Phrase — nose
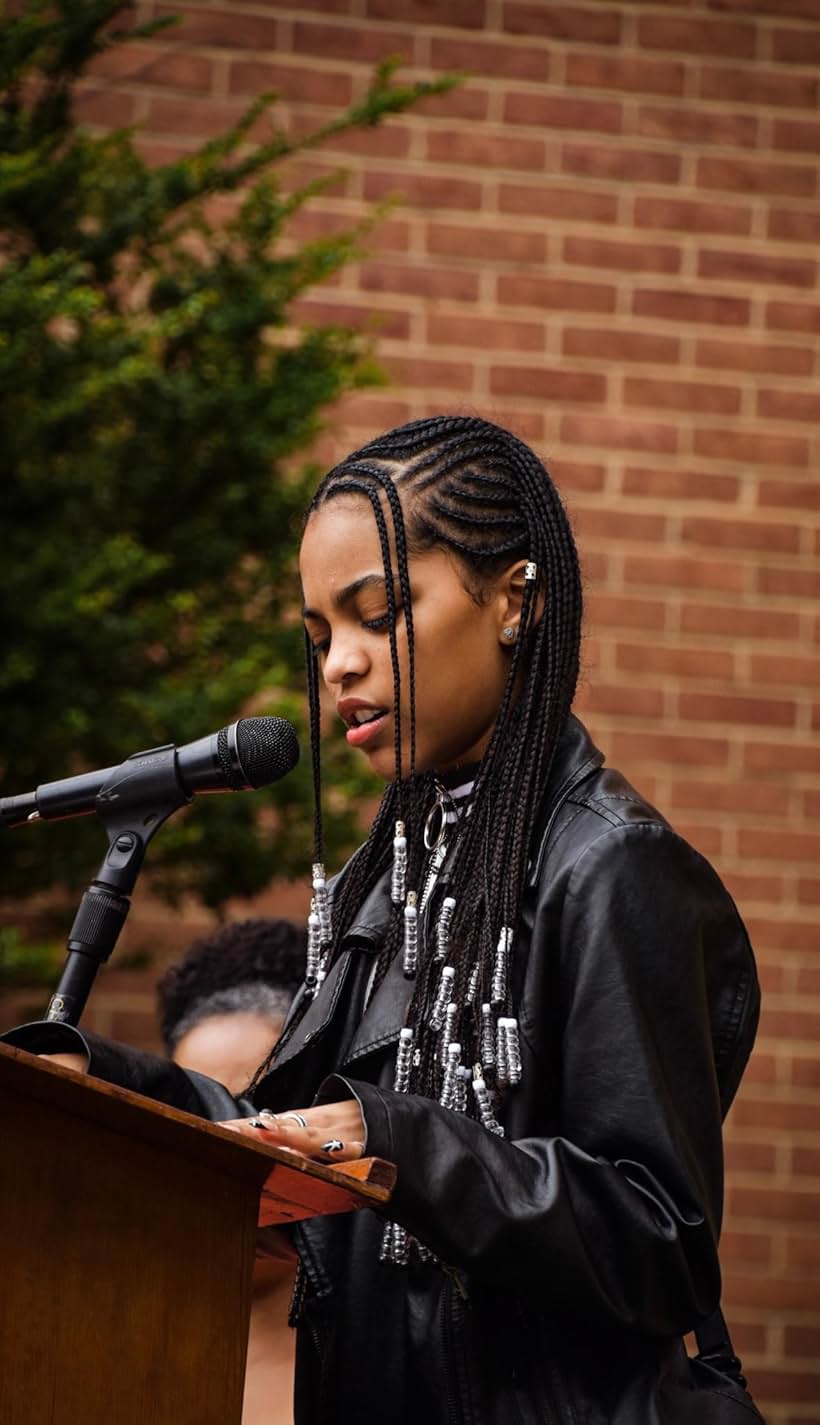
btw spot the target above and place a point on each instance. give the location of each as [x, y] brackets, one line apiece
[345, 659]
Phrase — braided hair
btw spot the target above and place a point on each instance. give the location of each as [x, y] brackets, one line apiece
[468, 486]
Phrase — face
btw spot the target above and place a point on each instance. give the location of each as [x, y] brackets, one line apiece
[228, 1047]
[461, 665]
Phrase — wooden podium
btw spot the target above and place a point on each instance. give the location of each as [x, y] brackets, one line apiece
[128, 1232]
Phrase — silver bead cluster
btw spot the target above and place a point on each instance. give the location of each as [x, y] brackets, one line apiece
[498, 993]
[321, 902]
[448, 1030]
[442, 998]
[450, 1086]
[398, 882]
[448, 905]
[485, 1107]
[404, 1061]
[411, 936]
[487, 1037]
[314, 950]
[472, 984]
[395, 1247]
[508, 1052]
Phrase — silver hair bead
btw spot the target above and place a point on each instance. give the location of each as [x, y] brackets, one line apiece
[487, 1036]
[498, 993]
[513, 1049]
[314, 950]
[401, 1246]
[462, 1080]
[322, 901]
[404, 1061]
[411, 936]
[424, 1253]
[448, 905]
[472, 984]
[502, 1062]
[485, 1108]
[448, 1090]
[531, 571]
[448, 1032]
[398, 882]
[442, 998]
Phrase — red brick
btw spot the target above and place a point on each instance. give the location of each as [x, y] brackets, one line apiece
[789, 405]
[745, 1249]
[793, 316]
[811, 805]
[686, 215]
[722, 619]
[200, 118]
[562, 22]
[803, 1341]
[770, 1294]
[622, 701]
[754, 889]
[700, 36]
[756, 357]
[795, 225]
[798, 1387]
[486, 150]
[423, 280]
[669, 749]
[613, 433]
[581, 475]
[486, 333]
[422, 371]
[218, 28]
[547, 200]
[386, 321]
[151, 64]
[679, 484]
[385, 141]
[782, 935]
[460, 14]
[797, 46]
[681, 572]
[782, 757]
[743, 1157]
[752, 448]
[681, 395]
[618, 525]
[311, 223]
[796, 135]
[808, 892]
[731, 708]
[488, 244]
[781, 1115]
[308, 86]
[527, 425]
[356, 42]
[624, 611]
[677, 306]
[806, 1075]
[806, 1160]
[464, 102]
[696, 125]
[556, 111]
[546, 293]
[784, 845]
[547, 384]
[423, 190]
[622, 256]
[758, 799]
[614, 345]
[741, 534]
[758, 86]
[754, 267]
[793, 583]
[663, 660]
[107, 107]
[751, 176]
[762, 1069]
[625, 165]
[627, 72]
[490, 57]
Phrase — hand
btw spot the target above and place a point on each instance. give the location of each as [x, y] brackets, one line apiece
[77, 1062]
[328, 1123]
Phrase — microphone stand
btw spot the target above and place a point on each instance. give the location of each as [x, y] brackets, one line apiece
[132, 806]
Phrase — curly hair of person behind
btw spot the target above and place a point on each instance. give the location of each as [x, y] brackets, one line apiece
[258, 951]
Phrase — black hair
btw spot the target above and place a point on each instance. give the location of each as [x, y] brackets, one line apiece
[248, 965]
[461, 483]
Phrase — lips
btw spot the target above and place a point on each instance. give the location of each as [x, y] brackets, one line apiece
[364, 720]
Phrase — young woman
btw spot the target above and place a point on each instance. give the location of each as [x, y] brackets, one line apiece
[524, 989]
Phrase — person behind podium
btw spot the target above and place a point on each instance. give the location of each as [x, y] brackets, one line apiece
[525, 989]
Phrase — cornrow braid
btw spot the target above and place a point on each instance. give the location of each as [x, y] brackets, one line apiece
[463, 484]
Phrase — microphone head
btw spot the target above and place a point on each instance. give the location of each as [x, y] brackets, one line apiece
[267, 748]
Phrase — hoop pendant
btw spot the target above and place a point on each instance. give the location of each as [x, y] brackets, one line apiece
[435, 824]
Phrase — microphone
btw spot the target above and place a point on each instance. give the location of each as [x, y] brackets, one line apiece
[250, 753]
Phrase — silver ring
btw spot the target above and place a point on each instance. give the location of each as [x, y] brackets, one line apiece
[255, 1123]
[334, 1146]
[268, 1118]
[300, 1119]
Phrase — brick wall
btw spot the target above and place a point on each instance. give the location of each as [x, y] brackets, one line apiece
[610, 243]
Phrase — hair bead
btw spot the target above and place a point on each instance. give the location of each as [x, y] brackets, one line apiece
[448, 1091]
[531, 571]
[502, 1060]
[462, 1079]
[513, 1049]
[448, 1031]
[411, 936]
[442, 998]
[448, 905]
[398, 881]
[472, 984]
[487, 1037]
[322, 902]
[314, 949]
[404, 1061]
[485, 1108]
[498, 994]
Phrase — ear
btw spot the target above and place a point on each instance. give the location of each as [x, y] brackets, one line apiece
[509, 598]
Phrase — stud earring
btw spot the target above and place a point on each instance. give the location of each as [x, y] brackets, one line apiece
[508, 633]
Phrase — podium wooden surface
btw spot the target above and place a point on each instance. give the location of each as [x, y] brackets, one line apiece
[127, 1237]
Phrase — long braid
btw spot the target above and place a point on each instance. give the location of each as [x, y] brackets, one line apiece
[463, 484]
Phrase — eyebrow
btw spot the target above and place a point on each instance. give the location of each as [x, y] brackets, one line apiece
[343, 596]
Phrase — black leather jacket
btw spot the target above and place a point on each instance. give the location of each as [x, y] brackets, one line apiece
[579, 1248]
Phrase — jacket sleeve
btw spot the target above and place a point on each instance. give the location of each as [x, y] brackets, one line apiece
[617, 1215]
[144, 1073]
